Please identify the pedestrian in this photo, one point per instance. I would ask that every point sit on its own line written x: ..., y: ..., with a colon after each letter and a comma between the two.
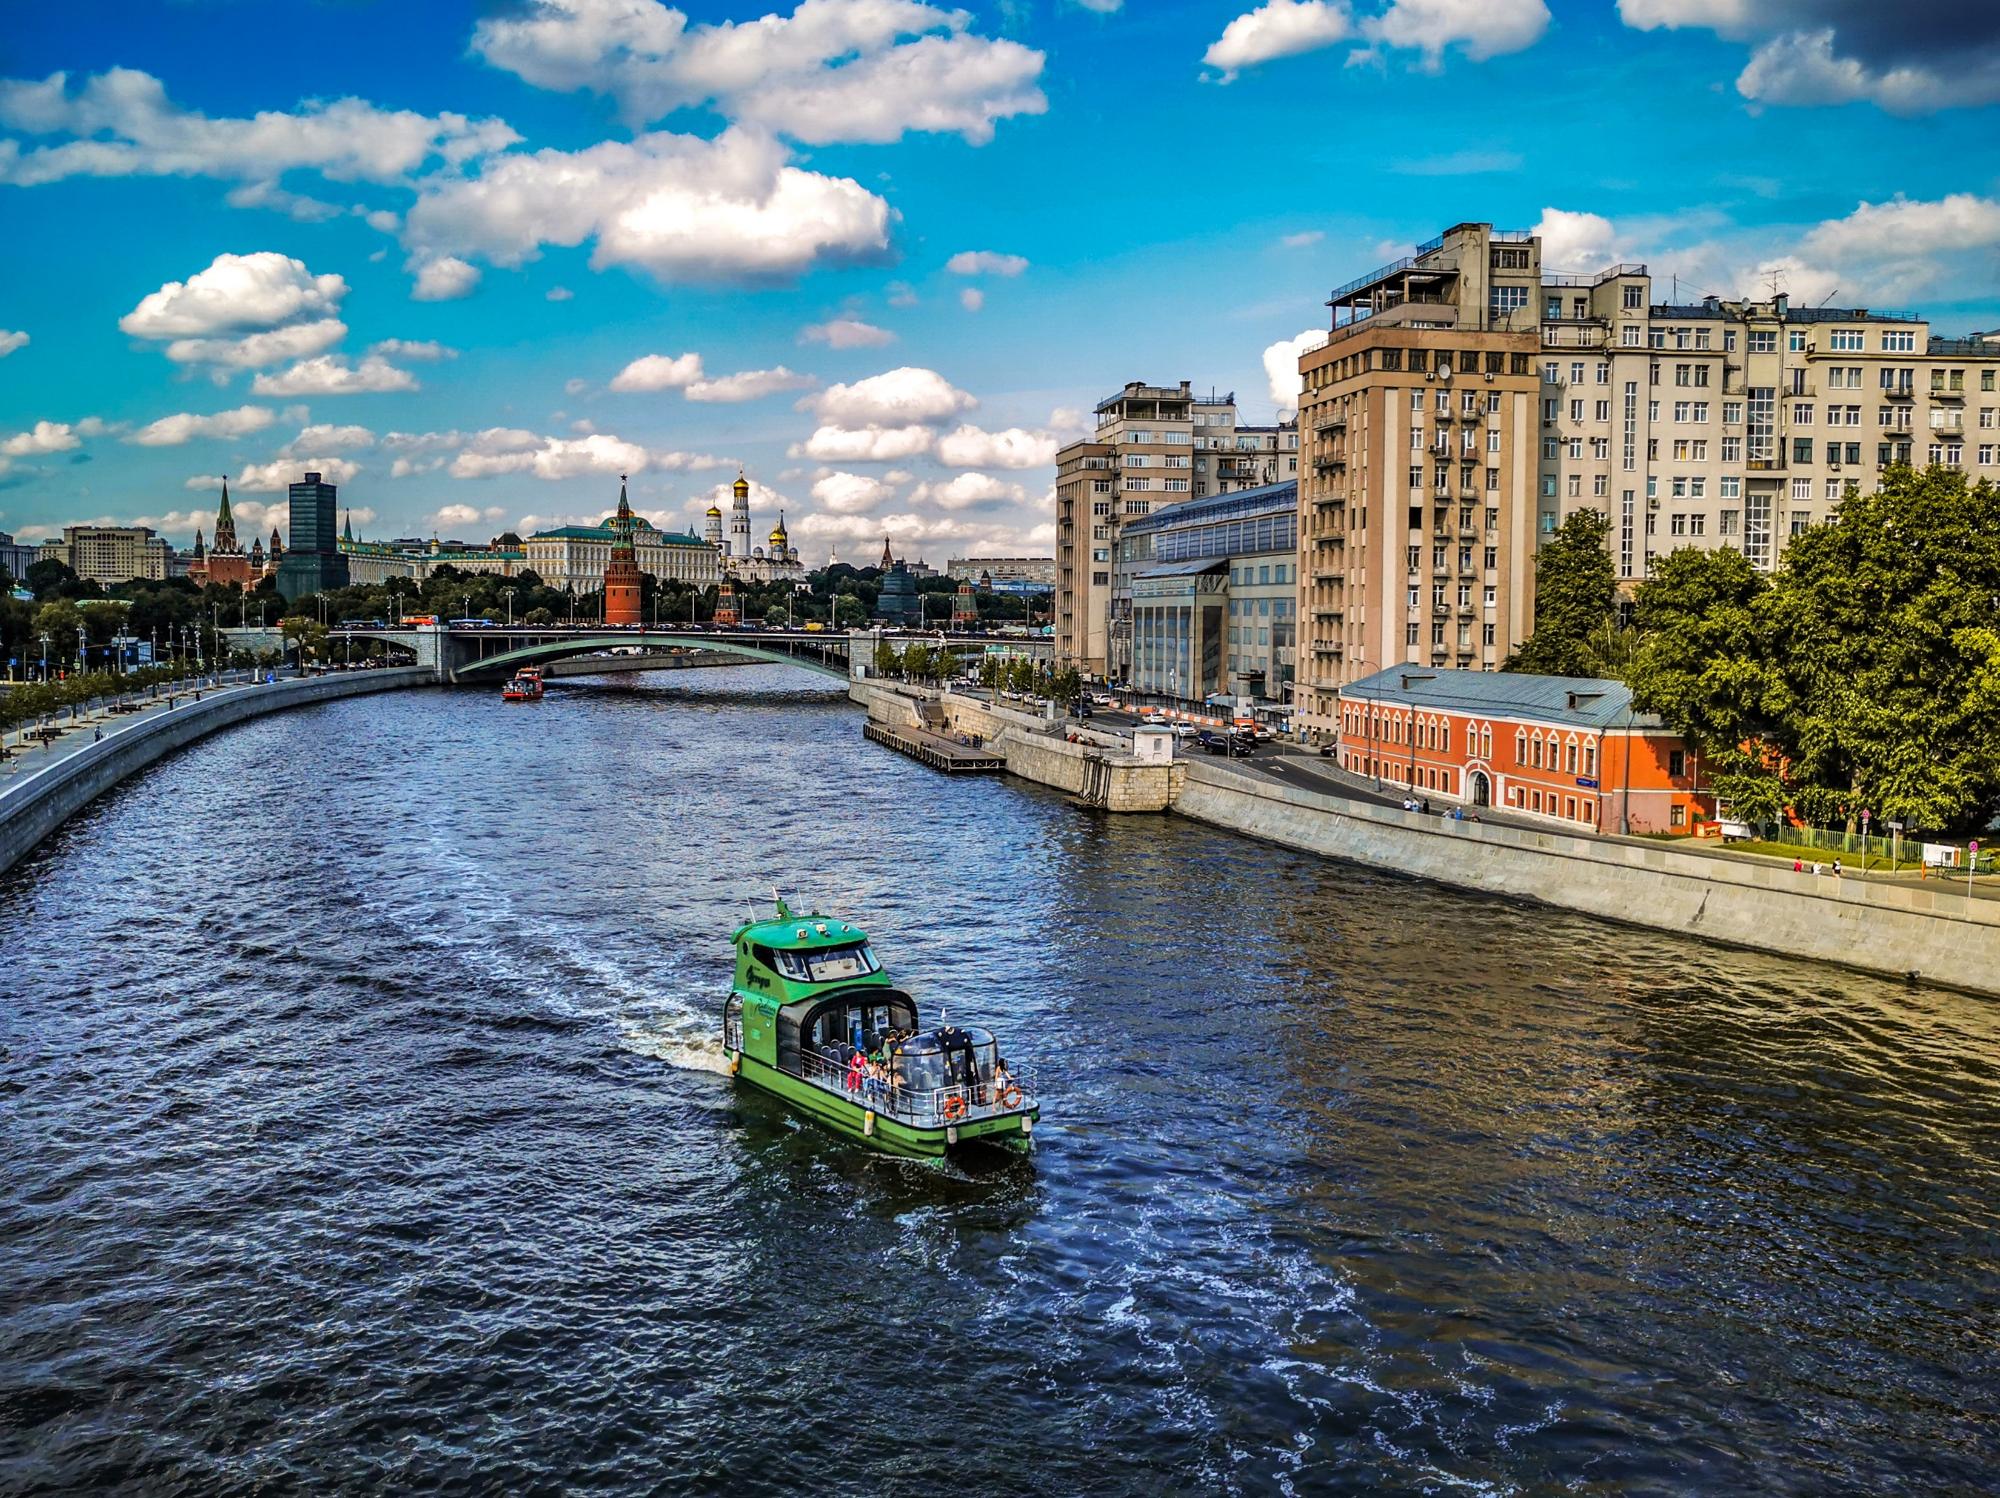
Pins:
x: 1836, y: 868
x: 1818, y: 868
x: 1798, y: 865
x: 99, y: 736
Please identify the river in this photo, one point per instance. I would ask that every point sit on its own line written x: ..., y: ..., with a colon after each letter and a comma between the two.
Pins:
x: 363, y: 1128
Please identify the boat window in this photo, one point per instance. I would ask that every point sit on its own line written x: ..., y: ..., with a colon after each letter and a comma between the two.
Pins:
x: 829, y: 963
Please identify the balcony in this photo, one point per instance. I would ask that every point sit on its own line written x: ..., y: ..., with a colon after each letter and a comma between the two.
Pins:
x: 1900, y: 393
x: 1947, y: 423
x: 1336, y: 422
x: 1957, y: 397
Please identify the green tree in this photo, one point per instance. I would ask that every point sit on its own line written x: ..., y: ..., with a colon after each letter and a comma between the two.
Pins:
x: 1576, y: 594
x: 61, y: 622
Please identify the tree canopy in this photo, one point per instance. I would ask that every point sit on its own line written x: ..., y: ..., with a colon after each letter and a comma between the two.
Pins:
x: 1576, y: 599
x: 1863, y: 674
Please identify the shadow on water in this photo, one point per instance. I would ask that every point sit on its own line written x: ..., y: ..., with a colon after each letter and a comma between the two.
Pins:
x: 385, y: 1145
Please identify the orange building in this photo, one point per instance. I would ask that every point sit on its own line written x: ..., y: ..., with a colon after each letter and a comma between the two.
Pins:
x: 622, y: 589
x: 1573, y: 750
x: 727, y: 611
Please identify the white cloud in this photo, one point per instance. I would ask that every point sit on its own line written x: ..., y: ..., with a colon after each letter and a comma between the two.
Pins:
x: 868, y: 444
x: 970, y: 447
x: 1281, y: 367
x: 972, y: 299
x: 969, y: 491
x: 326, y: 438
x: 1279, y: 28
x: 444, y: 278
x: 1072, y: 420
x: 1906, y: 59
x: 381, y: 220
x: 451, y: 515
x: 900, y: 294
x: 842, y: 332
x: 560, y: 294
x: 123, y: 125
x: 259, y: 350
x: 659, y: 372
x: 332, y: 374
x: 277, y: 476
x: 749, y: 385
x: 1478, y: 28
x: 408, y: 349
x: 172, y: 431
x: 42, y: 438
x: 677, y: 206
x: 1285, y: 28
x: 234, y: 294
x: 1302, y: 239
x: 897, y: 397
x: 832, y: 71
x: 985, y: 263
x: 1581, y: 243
x: 842, y: 493
x: 10, y: 341
x: 509, y: 450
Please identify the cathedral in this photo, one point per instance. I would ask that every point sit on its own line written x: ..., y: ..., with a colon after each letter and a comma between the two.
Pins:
x: 778, y: 561
x: 225, y: 561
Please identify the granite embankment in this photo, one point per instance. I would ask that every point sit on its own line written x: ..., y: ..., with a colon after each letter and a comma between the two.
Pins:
x: 39, y: 800
x: 1932, y: 931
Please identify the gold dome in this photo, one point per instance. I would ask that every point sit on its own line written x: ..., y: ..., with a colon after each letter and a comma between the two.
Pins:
x: 713, y: 510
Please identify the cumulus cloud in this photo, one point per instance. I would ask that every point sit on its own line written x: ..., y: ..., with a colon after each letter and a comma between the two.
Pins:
x: 1281, y: 368
x: 866, y: 444
x: 749, y: 385
x: 841, y: 332
x: 897, y: 397
x: 832, y: 71
x: 332, y: 374
x: 1284, y: 28
x: 42, y: 438
x: 679, y: 207
x: 408, y: 349
x: 1582, y: 243
x: 970, y: 447
x: 1278, y: 28
x: 258, y: 350
x: 985, y: 263
x: 659, y: 372
x: 972, y: 299
x: 234, y: 294
x: 1302, y: 239
x: 276, y: 477
x: 500, y: 451
x: 444, y: 278
x: 9, y: 341
x: 450, y: 515
x: 172, y: 431
x: 323, y: 437
x: 1905, y: 59
x: 122, y: 124
x: 842, y: 493
x: 969, y: 491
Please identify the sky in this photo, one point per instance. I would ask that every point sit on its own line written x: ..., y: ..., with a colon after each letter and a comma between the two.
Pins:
x: 475, y: 261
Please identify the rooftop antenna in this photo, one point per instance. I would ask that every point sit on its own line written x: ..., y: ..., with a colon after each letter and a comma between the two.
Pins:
x: 1777, y: 280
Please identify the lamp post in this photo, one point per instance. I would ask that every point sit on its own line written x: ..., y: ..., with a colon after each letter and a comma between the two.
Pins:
x: 45, y: 658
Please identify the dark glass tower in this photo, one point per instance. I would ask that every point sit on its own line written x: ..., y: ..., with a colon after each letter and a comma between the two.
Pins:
x: 313, y: 562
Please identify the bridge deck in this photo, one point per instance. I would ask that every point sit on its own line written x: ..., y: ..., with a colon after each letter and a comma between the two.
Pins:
x: 932, y: 749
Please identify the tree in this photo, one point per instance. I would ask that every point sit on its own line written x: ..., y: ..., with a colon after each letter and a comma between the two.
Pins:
x: 1576, y: 593
x: 1864, y: 675
x: 62, y: 624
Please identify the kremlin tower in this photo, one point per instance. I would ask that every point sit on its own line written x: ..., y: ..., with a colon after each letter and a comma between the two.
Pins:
x: 621, y: 574
x: 739, y: 518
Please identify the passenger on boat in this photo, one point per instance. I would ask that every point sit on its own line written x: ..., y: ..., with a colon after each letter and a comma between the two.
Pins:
x: 876, y: 1084
x: 856, y: 1068
x: 1001, y: 1078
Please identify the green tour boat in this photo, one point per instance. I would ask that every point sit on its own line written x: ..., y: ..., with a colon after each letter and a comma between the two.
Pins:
x: 813, y: 1019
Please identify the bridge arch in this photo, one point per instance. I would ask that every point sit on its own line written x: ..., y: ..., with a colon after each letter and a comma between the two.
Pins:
x: 828, y: 661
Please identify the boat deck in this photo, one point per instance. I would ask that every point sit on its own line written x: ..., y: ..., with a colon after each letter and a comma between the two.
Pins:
x: 935, y: 750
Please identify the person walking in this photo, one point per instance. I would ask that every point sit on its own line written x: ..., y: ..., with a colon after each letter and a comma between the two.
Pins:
x: 1836, y: 868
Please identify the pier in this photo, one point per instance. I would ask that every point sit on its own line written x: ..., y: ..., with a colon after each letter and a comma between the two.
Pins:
x: 938, y: 752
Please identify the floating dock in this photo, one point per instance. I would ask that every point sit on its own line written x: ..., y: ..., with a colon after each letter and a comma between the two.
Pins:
x: 935, y: 750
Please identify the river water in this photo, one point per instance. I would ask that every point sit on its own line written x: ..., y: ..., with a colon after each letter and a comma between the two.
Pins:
x: 363, y: 1128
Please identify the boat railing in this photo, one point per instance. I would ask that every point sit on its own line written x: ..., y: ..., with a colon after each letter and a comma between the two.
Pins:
x: 931, y: 1106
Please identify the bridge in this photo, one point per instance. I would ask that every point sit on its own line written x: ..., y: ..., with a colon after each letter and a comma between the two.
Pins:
x: 473, y: 653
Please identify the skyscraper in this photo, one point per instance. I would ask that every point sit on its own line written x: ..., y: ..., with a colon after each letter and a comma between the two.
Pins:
x: 313, y: 562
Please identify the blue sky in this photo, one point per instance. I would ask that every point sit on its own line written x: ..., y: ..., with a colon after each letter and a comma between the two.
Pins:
x: 476, y: 260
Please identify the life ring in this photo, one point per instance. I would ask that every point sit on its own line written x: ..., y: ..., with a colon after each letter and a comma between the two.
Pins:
x: 1010, y: 1097
x: 952, y: 1109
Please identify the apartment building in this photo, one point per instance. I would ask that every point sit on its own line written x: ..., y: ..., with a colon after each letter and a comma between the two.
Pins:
x: 1154, y: 444
x: 1417, y: 497
x: 109, y: 554
x: 1743, y: 423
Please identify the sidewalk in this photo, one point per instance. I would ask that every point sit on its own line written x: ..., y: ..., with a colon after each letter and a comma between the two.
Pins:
x: 28, y: 757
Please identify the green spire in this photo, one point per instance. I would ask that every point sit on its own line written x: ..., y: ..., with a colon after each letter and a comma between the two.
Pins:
x: 222, y: 516
x: 347, y: 527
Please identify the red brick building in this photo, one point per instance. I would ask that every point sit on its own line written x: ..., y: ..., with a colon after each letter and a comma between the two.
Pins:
x: 623, y: 592
x: 1573, y: 750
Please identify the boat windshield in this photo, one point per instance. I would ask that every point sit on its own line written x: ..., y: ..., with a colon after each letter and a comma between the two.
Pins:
x: 828, y: 964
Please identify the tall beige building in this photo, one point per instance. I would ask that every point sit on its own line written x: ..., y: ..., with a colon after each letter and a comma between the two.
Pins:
x: 1416, y: 506
x: 109, y: 554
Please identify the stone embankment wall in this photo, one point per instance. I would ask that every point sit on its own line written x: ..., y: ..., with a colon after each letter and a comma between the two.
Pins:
x: 34, y: 805
x: 1097, y: 768
x: 1924, y: 931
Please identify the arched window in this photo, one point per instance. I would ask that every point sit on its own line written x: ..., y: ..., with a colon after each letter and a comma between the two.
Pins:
x: 1590, y: 759
x: 1569, y: 756
x: 1445, y: 737
x: 1535, y: 750
x: 1486, y: 742
x: 1520, y: 746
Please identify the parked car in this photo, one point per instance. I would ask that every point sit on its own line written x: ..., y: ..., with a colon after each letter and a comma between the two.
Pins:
x: 1185, y: 730
x: 1100, y: 699
x: 1213, y: 742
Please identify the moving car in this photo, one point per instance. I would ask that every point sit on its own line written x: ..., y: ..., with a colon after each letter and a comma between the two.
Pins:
x: 1215, y: 741
x: 1153, y: 718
